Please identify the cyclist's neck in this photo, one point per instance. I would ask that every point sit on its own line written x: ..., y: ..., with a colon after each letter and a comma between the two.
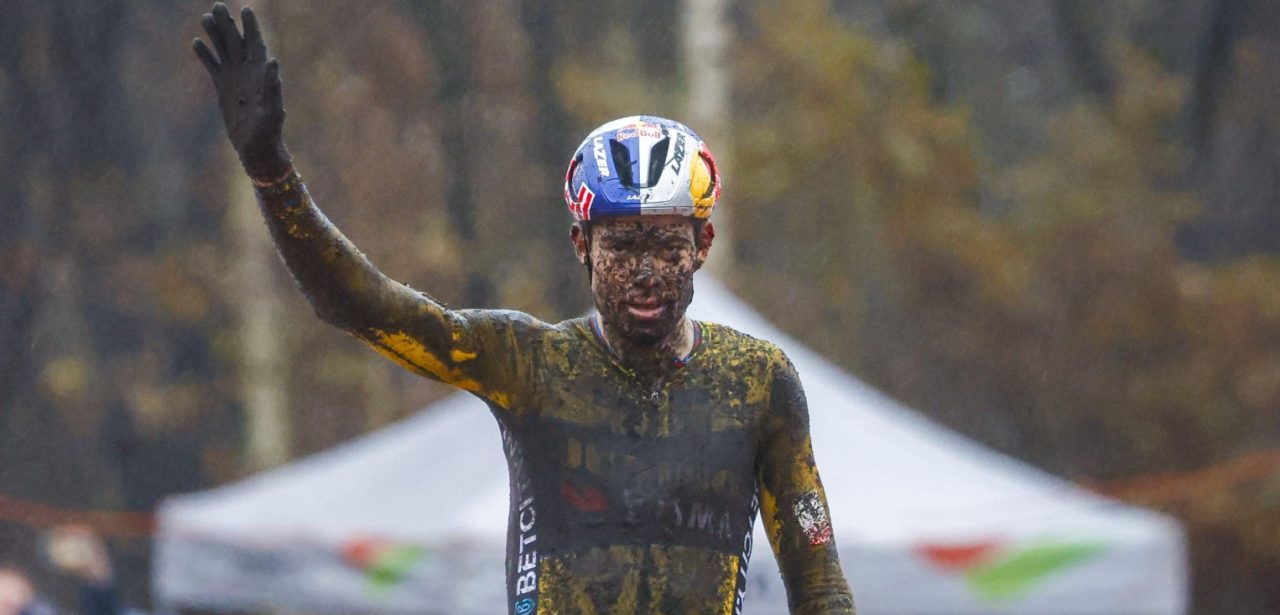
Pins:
x: 649, y: 356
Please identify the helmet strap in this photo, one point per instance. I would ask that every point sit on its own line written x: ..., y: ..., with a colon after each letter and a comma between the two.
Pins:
x: 586, y: 240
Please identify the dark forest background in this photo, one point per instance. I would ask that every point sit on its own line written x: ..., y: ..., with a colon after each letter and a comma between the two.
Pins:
x: 1051, y: 225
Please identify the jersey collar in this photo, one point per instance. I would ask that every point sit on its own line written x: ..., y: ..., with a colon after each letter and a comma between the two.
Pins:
x: 598, y: 330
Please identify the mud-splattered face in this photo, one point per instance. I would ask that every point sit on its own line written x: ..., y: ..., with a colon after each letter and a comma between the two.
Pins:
x: 642, y: 273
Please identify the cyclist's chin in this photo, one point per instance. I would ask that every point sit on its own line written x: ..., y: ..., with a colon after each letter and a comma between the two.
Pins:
x: 644, y: 331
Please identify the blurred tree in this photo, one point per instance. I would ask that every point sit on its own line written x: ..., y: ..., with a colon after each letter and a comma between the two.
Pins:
x: 110, y: 392
x: 93, y: 313
x: 261, y: 358
x: 706, y: 44
x: 1029, y: 292
x: 1235, y: 130
x: 1045, y: 223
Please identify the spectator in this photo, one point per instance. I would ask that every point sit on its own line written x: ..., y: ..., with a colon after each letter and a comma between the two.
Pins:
x: 78, y: 552
x: 18, y: 595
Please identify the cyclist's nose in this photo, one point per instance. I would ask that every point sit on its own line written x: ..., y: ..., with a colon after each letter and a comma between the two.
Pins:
x: 646, y: 273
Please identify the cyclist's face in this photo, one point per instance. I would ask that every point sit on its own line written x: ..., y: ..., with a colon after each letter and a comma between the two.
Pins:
x: 642, y: 273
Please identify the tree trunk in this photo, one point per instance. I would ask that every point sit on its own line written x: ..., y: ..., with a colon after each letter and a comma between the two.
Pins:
x: 706, y: 41
x: 262, y: 365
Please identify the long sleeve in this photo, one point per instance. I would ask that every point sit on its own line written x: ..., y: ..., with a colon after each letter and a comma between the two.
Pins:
x: 476, y: 350
x: 794, y: 505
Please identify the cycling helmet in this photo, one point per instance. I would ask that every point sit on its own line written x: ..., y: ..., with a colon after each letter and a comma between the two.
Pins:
x: 641, y: 165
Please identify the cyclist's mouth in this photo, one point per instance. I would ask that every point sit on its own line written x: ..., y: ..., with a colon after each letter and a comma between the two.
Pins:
x: 647, y: 310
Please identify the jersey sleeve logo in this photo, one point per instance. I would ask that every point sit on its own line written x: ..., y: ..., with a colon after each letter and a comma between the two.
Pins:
x: 813, y: 519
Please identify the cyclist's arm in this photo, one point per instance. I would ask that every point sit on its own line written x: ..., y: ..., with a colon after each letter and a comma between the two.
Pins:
x: 470, y: 349
x: 794, y: 505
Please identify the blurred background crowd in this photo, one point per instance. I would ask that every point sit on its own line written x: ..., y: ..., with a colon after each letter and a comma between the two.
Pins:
x: 1050, y: 225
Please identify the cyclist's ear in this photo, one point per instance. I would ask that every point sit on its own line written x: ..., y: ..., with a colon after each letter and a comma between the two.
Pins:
x: 581, y: 246
x: 706, y: 234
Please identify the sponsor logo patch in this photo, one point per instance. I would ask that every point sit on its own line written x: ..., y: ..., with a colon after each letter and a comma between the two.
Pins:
x: 584, y: 497
x: 602, y: 163
x: 527, y: 552
x: 653, y: 132
x: 523, y: 582
x: 677, y: 158
x: 740, y: 583
x: 813, y: 518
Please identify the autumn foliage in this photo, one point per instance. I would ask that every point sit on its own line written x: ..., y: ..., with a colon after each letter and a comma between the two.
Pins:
x: 1059, y: 245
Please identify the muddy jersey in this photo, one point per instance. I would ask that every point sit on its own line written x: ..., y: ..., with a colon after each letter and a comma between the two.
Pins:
x: 628, y: 496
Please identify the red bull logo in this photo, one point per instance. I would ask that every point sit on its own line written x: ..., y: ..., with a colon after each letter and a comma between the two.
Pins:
x: 639, y: 130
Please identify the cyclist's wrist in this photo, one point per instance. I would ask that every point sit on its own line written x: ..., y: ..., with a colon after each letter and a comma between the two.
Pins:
x: 266, y: 164
x: 272, y: 181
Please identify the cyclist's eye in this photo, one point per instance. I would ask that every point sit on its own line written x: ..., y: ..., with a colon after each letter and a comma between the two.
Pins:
x: 616, y: 248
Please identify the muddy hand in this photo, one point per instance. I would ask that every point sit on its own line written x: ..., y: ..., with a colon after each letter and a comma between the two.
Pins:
x: 248, y: 85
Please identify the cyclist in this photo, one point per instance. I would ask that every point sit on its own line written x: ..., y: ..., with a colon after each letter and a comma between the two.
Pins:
x: 641, y: 444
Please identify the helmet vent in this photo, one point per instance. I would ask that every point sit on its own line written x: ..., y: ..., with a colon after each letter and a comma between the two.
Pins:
x: 657, y: 160
x: 622, y: 163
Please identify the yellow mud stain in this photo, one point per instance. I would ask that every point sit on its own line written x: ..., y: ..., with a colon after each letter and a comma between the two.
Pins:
x: 804, y: 476
x: 460, y: 356
x: 769, y: 515
x: 726, y: 585
x: 416, y: 357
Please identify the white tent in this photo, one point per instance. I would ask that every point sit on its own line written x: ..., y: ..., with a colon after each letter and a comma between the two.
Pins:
x: 412, y: 519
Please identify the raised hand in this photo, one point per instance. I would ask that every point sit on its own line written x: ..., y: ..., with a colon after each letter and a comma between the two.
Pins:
x: 248, y: 85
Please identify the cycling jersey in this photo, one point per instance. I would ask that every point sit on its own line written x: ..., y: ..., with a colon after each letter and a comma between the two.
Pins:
x: 629, y: 494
